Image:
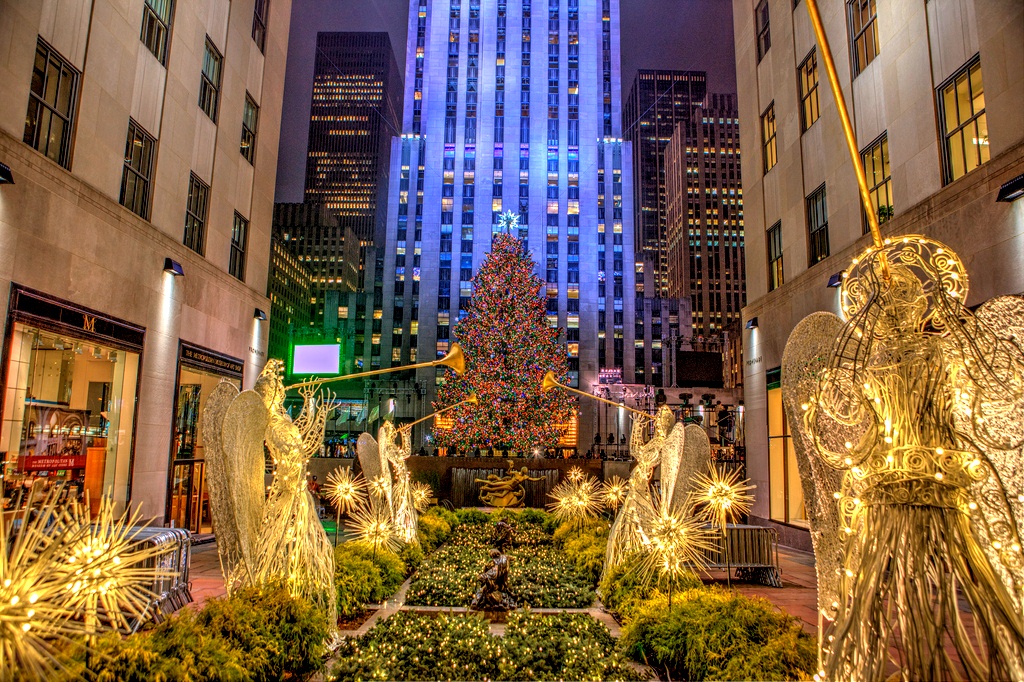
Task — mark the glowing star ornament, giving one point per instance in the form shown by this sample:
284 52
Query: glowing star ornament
63 578
345 491
613 492
723 495
422 495
375 528
575 474
675 542
576 501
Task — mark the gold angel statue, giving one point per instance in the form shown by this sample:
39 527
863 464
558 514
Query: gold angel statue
909 420
277 534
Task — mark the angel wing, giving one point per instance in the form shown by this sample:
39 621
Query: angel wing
1000 512
234 428
696 456
375 470
808 352
671 455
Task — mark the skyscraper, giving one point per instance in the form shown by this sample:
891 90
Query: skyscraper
531 88
704 217
353 116
659 102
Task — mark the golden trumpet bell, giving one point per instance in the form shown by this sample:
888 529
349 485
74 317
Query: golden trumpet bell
455 359
550 382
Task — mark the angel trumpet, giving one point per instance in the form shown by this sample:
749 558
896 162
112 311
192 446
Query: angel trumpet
551 382
455 360
471 400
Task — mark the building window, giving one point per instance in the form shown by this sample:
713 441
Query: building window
786 497
138 169
764 38
964 126
195 215
156 26
863 33
809 111
876 169
768 138
250 117
817 226
774 239
259 23
51 105
239 240
209 86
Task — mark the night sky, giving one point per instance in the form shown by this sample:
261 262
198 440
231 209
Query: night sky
656 34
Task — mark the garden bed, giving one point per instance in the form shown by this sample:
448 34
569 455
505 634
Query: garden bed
541 575
409 646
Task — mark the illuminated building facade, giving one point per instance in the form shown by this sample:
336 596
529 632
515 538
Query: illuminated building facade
353 116
290 290
658 103
704 217
512 105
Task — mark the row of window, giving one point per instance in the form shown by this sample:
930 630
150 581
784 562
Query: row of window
49 124
964 147
863 32
158 17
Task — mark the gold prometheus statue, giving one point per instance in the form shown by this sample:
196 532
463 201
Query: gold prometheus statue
505 491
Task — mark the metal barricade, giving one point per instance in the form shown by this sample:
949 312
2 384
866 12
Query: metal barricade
753 553
170 582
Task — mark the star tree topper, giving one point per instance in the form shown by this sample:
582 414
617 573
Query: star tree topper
508 221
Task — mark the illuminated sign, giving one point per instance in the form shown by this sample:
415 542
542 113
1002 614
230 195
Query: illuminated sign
316 359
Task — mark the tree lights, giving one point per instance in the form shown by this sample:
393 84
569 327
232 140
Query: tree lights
508 347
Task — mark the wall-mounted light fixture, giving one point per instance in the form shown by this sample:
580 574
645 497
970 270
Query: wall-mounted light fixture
6 176
835 280
173 267
752 323
1012 190
259 315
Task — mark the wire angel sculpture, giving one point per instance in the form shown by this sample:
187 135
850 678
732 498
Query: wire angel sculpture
384 465
908 420
682 451
277 534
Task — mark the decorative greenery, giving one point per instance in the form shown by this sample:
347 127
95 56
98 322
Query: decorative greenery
509 347
540 574
433 531
363 576
585 546
471 517
256 635
407 646
711 634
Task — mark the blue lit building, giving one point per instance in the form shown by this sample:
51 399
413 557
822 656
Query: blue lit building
512 105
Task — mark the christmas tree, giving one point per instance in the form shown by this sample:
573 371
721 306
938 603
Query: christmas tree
508 347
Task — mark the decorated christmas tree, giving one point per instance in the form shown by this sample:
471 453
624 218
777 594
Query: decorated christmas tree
508 347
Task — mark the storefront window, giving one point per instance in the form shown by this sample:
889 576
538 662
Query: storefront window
68 417
189 498
786 497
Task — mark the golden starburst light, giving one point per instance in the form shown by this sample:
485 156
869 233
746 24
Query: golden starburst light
345 491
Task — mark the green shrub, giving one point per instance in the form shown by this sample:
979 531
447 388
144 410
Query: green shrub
472 517
568 530
446 515
537 517
433 531
275 632
356 581
412 556
253 636
390 565
710 634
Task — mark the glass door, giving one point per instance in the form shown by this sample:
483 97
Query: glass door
190 506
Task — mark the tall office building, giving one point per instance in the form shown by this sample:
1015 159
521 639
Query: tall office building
939 120
353 116
512 105
658 103
704 217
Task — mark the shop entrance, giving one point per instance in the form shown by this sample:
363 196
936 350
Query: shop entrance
199 372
